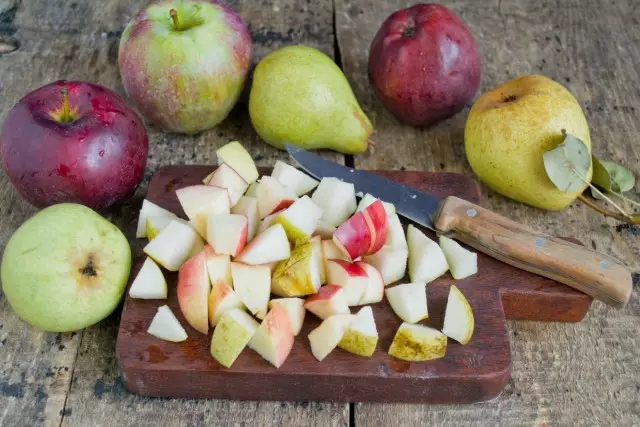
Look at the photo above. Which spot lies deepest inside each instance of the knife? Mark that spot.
(592, 272)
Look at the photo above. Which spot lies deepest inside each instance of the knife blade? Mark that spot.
(590, 271)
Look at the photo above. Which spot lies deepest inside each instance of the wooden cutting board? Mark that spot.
(474, 372)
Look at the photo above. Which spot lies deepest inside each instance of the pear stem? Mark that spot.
(65, 114)
(633, 219)
(175, 17)
(371, 142)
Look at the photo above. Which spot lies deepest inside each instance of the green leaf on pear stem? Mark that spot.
(567, 164)
(610, 176)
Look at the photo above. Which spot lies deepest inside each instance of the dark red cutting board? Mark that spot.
(474, 372)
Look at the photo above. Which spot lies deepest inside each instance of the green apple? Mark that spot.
(65, 268)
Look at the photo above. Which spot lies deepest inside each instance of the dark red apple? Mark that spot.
(424, 64)
(72, 141)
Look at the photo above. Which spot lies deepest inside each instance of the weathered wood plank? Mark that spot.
(561, 374)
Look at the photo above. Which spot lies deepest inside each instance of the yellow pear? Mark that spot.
(508, 130)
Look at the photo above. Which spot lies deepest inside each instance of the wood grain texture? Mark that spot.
(561, 374)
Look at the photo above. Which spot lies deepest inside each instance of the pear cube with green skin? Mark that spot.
(390, 262)
(374, 291)
(328, 301)
(218, 266)
(274, 338)
(231, 335)
(269, 246)
(166, 326)
(149, 283)
(193, 292)
(236, 156)
(300, 274)
(458, 317)
(248, 206)
(350, 276)
(226, 177)
(299, 220)
(426, 259)
(418, 343)
(328, 335)
(368, 199)
(324, 230)
(361, 337)
(155, 224)
(150, 209)
(222, 298)
(395, 233)
(272, 196)
(173, 245)
(252, 284)
(227, 233)
(336, 198)
(462, 262)
(200, 201)
(297, 181)
(409, 301)
(302, 82)
(295, 310)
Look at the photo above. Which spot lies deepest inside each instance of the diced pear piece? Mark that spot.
(232, 334)
(252, 283)
(165, 325)
(295, 310)
(200, 201)
(300, 274)
(248, 206)
(462, 262)
(269, 246)
(149, 283)
(222, 298)
(324, 230)
(299, 182)
(299, 220)
(236, 156)
(326, 337)
(361, 337)
(155, 224)
(458, 317)
(426, 260)
(272, 197)
(174, 245)
(417, 343)
(150, 209)
(218, 266)
(409, 301)
(328, 301)
(395, 233)
(390, 262)
(336, 198)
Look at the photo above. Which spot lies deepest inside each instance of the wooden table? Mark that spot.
(562, 374)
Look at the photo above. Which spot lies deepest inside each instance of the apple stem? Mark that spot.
(177, 25)
(65, 114)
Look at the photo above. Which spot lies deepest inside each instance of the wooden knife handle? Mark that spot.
(589, 271)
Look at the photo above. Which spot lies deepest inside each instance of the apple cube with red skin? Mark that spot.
(272, 196)
(329, 300)
(295, 310)
(269, 246)
(193, 292)
(226, 177)
(222, 298)
(374, 291)
(353, 237)
(227, 233)
(248, 206)
(218, 266)
(200, 201)
(350, 276)
(376, 218)
(174, 245)
(274, 338)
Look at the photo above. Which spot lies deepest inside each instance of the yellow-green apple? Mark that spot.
(149, 282)
(155, 224)
(231, 336)
(353, 237)
(329, 300)
(222, 298)
(236, 156)
(174, 245)
(361, 337)
(417, 343)
(426, 259)
(226, 177)
(200, 201)
(462, 262)
(269, 246)
(458, 317)
(511, 126)
(350, 276)
(374, 291)
(424, 64)
(299, 220)
(272, 196)
(218, 266)
(324, 230)
(295, 310)
(391, 263)
(147, 210)
(336, 198)
(248, 206)
(165, 325)
(368, 199)
(252, 284)
(193, 292)
(184, 63)
(395, 233)
(74, 142)
(300, 274)
(227, 233)
(65, 268)
(326, 337)
(297, 181)
(409, 301)
(274, 338)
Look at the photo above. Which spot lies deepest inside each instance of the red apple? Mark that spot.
(424, 64)
(72, 141)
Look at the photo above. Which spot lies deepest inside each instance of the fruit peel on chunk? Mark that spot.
(299, 274)
(418, 343)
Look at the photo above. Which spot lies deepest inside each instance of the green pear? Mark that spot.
(299, 95)
(508, 130)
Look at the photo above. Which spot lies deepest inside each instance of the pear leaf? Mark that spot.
(567, 164)
(601, 176)
(610, 176)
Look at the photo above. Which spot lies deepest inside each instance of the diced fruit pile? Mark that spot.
(247, 239)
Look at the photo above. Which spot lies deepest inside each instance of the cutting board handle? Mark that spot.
(594, 273)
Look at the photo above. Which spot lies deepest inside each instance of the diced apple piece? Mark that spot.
(236, 156)
(200, 201)
(248, 206)
(374, 291)
(300, 274)
(222, 298)
(390, 262)
(252, 190)
(149, 283)
(269, 246)
(272, 197)
(376, 218)
(330, 251)
(165, 325)
(299, 220)
(317, 241)
(232, 334)
(295, 310)
(150, 209)
(353, 237)
(252, 284)
(409, 301)
(395, 233)
(462, 262)
(324, 230)
(193, 292)
(368, 199)
(350, 276)
(326, 337)
(299, 182)
(458, 317)
(197, 247)
(361, 337)
(155, 224)
(274, 338)
(207, 179)
(336, 198)
(426, 260)
(329, 301)
(173, 245)
(266, 223)
(227, 233)
(218, 266)
(417, 343)
(226, 177)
